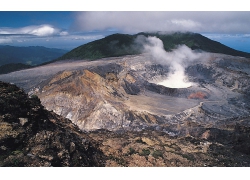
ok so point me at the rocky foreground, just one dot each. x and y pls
(33, 136)
(156, 149)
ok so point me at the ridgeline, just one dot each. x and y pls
(123, 44)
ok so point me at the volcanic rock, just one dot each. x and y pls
(137, 122)
(32, 136)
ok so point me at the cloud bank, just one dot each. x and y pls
(42, 30)
(195, 21)
(5, 40)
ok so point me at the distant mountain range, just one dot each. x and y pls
(13, 58)
(124, 44)
(7, 68)
(32, 55)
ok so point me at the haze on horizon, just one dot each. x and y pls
(67, 30)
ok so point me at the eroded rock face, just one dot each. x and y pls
(32, 136)
(121, 94)
(86, 98)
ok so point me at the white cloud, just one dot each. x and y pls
(225, 36)
(195, 21)
(42, 30)
(87, 37)
(246, 35)
(20, 40)
(5, 41)
(186, 23)
(64, 33)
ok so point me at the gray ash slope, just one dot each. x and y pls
(122, 93)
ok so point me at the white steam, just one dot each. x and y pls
(177, 60)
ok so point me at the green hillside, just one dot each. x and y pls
(195, 41)
(124, 44)
(110, 46)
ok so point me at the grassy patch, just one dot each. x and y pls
(145, 152)
(131, 151)
(119, 161)
(156, 154)
(189, 157)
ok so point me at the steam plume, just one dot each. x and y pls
(177, 60)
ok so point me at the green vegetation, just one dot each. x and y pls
(119, 161)
(124, 44)
(194, 41)
(156, 154)
(188, 156)
(110, 46)
(145, 152)
(131, 151)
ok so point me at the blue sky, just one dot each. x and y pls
(69, 29)
(40, 28)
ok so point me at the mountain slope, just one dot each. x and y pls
(32, 136)
(110, 46)
(32, 55)
(124, 44)
(195, 41)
